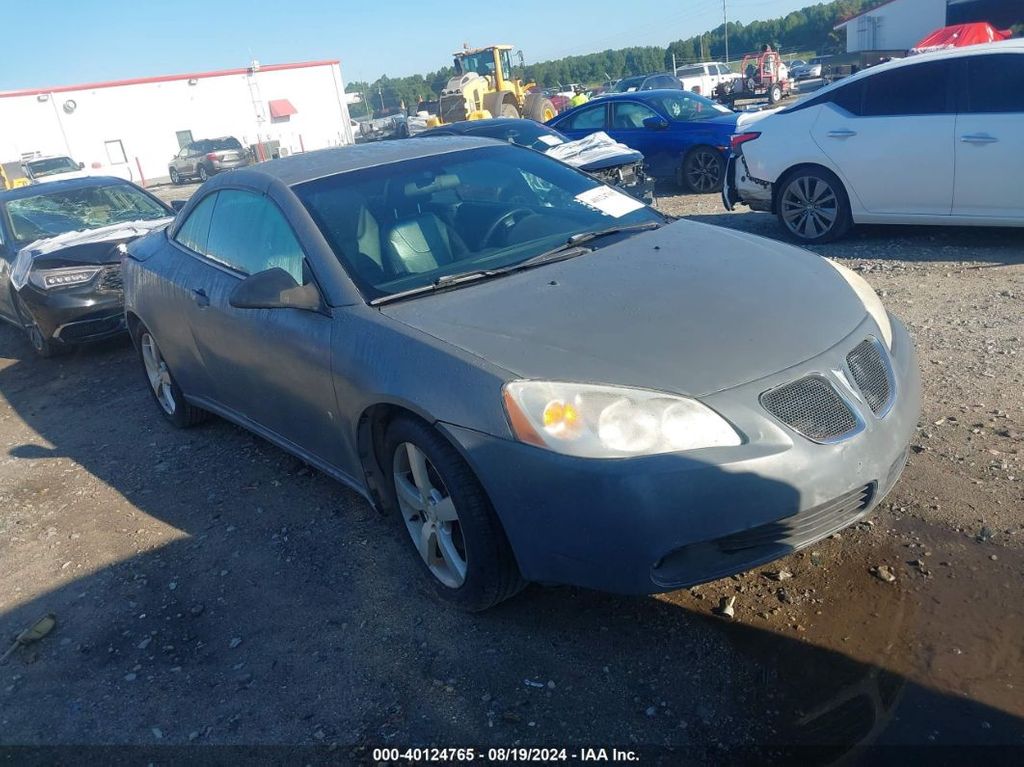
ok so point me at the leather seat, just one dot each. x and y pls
(420, 241)
(353, 229)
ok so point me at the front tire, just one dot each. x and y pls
(449, 518)
(175, 177)
(43, 346)
(702, 170)
(812, 206)
(540, 109)
(165, 390)
(509, 110)
(775, 94)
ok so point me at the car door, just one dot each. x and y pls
(627, 126)
(178, 163)
(8, 252)
(271, 368)
(581, 124)
(890, 135)
(990, 137)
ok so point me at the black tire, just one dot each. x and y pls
(175, 177)
(492, 575)
(43, 346)
(204, 175)
(808, 225)
(702, 170)
(775, 94)
(509, 110)
(183, 415)
(540, 109)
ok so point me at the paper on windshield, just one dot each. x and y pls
(609, 201)
(550, 140)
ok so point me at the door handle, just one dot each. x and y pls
(845, 133)
(200, 297)
(978, 138)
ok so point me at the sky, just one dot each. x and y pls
(67, 42)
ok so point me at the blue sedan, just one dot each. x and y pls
(683, 136)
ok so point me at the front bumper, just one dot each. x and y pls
(643, 525)
(77, 314)
(739, 187)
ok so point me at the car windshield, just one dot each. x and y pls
(405, 225)
(50, 166)
(685, 106)
(522, 132)
(627, 85)
(69, 210)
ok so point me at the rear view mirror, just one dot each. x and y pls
(655, 123)
(81, 166)
(275, 289)
(178, 204)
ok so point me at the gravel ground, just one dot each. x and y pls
(210, 589)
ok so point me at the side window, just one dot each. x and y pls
(849, 97)
(194, 232)
(917, 89)
(250, 234)
(588, 119)
(629, 114)
(995, 84)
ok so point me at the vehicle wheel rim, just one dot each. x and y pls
(203, 174)
(703, 172)
(158, 374)
(809, 207)
(429, 515)
(174, 177)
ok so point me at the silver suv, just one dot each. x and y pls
(207, 157)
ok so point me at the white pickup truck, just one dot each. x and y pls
(703, 78)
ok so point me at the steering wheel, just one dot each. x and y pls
(504, 223)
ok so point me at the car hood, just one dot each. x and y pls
(595, 152)
(92, 247)
(688, 308)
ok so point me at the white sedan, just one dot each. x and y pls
(932, 139)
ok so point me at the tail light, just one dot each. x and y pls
(737, 140)
(212, 157)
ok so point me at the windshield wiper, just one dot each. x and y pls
(571, 248)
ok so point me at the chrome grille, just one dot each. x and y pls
(872, 374)
(813, 407)
(110, 278)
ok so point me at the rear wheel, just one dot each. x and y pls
(812, 205)
(204, 175)
(449, 518)
(509, 110)
(540, 109)
(702, 170)
(165, 390)
(775, 94)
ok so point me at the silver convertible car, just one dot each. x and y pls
(547, 380)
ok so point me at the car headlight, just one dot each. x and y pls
(872, 303)
(63, 278)
(594, 421)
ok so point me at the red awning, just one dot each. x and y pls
(959, 35)
(281, 108)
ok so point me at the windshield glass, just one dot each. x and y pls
(402, 226)
(523, 132)
(627, 85)
(51, 165)
(481, 63)
(686, 106)
(70, 210)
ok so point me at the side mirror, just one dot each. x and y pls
(655, 123)
(178, 205)
(81, 166)
(275, 289)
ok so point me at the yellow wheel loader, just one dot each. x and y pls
(483, 87)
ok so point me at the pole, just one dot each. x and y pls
(380, 93)
(725, 18)
(673, 63)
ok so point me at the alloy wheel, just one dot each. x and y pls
(809, 207)
(703, 172)
(429, 514)
(158, 374)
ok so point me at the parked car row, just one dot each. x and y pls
(501, 351)
(936, 138)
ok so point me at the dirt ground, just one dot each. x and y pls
(210, 589)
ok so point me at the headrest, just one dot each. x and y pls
(427, 188)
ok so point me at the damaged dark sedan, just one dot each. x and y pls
(61, 246)
(540, 377)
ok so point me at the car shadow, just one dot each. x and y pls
(210, 589)
(996, 246)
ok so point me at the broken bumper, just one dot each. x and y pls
(739, 187)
